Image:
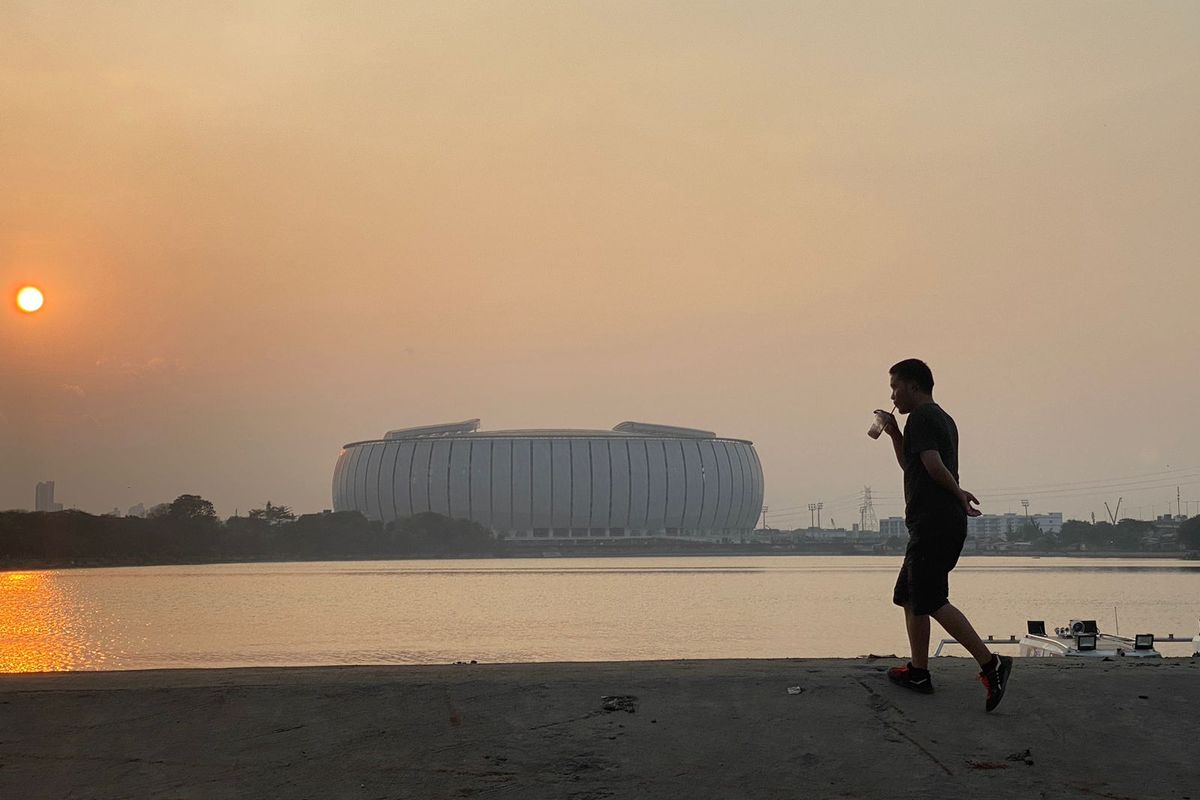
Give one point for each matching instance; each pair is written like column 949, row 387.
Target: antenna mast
column 1112, row 515
column 868, row 521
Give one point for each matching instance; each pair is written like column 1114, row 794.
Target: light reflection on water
column 42, row 627
column 407, row 612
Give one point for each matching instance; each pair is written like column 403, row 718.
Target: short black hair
column 916, row 371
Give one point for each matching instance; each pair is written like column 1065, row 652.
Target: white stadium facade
column 635, row 481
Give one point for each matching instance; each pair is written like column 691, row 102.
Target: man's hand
column 890, row 426
column 932, row 460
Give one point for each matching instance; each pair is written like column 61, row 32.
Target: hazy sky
column 266, row 229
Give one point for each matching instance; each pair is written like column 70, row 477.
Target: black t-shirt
column 929, row 428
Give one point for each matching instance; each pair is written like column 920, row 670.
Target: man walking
column 936, row 511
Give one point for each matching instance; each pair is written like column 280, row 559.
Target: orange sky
column 263, row 232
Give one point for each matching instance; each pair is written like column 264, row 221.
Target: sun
column 30, row 299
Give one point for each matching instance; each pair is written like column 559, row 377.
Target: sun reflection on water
column 37, row 624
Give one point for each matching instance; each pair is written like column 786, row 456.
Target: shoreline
column 566, row 552
column 685, row 729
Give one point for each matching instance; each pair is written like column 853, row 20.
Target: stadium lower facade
column 635, row 481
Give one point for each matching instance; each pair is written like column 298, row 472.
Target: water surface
column 567, row 609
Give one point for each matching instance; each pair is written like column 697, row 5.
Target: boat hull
column 1107, row 646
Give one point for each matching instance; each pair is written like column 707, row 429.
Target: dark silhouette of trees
column 1027, row 532
column 1189, row 533
column 187, row 530
column 1130, row 533
column 434, row 533
column 192, row 508
column 272, row 514
column 1075, row 533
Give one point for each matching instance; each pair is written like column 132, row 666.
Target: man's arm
column 897, row 443
column 892, row 429
column 932, row 460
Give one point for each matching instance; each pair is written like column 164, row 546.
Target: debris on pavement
column 619, row 702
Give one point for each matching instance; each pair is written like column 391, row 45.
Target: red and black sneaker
column 995, row 679
column 911, row 677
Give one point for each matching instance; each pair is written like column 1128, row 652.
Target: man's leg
column 915, row 675
column 994, row 669
column 958, row 626
column 918, row 637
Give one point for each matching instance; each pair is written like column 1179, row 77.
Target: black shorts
column 934, row 546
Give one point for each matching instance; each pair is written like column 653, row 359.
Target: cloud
column 74, row 389
column 149, row 366
column 64, row 421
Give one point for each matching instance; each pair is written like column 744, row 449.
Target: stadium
column 635, row 481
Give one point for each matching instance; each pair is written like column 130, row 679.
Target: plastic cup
column 881, row 421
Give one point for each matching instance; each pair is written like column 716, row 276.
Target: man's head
column 912, row 384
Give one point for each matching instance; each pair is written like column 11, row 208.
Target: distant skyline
column 791, row 517
column 263, row 232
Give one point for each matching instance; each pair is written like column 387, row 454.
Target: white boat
column 1083, row 639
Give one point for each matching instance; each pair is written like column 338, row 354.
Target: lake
column 550, row 609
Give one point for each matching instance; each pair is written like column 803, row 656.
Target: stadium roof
column 470, row 429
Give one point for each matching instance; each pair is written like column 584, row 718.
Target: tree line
column 1128, row 535
column 188, row 530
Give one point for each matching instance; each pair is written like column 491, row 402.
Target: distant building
column 825, row 534
column 635, row 481
column 993, row 525
column 864, row 541
column 44, row 497
column 985, row 526
column 136, row 511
